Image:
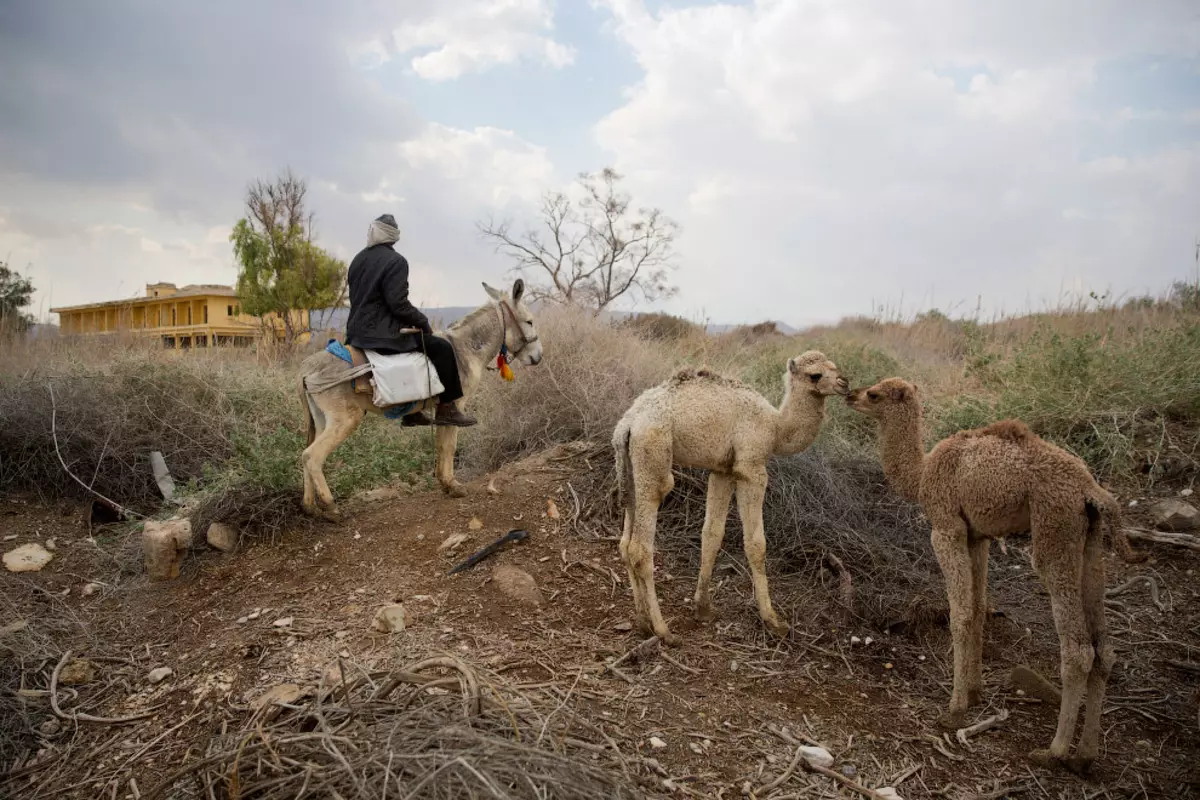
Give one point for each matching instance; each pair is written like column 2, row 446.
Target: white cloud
column 820, row 152
column 464, row 37
column 492, row 166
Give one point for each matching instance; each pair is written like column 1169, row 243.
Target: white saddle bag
column 403, row 378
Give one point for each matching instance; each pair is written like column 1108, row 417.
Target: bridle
column 507, row 313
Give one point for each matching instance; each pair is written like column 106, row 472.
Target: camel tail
column 1105, row 512
column 624, row 467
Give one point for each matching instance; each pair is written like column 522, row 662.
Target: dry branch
column 979, row 727
column 1177, row 539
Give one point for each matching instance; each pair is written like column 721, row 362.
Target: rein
column 506, row 313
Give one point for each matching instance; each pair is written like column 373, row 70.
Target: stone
column 452, row 541
column 90, row 589
column 888, row 792
column 817, row 756
column 657, row 743
column 379, row 495
column 284, row 622
column 222, row 537
column 27, row 558
column 163, row 546
column 52, row 544
column 160, row 674
column 50, row 727
column 284, row 693
column 1171, row 514
column 389, row 619
column 475, row 524
column 517, row 584
column 77, row 671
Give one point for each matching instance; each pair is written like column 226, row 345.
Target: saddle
column 358, row 358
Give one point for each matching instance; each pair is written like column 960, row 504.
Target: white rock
column 1185, row 492
column 160, row 674
column 52, row 544
column 163, row 546
column 889, row 792
column 90, row 589
column 222, row 537
column 389, row 619
column 1174, row 515
column 452, row 541
column 855, row 640
column 283, row 622
column 657, row 743
column 816, row 756
column 27, row 558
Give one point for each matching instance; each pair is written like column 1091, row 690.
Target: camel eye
column 815, row 377
column 872, row 396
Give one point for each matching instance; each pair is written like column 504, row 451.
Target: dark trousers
column 441, row 353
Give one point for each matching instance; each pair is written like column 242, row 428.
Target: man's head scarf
column 383, row 230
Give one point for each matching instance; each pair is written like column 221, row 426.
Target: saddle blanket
column 398, row 379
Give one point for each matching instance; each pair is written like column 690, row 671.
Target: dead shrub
column 658, row 327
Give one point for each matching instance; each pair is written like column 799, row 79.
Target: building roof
column 191, row 290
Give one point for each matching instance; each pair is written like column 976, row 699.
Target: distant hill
column 334, row 319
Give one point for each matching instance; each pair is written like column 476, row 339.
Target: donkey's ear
column 492, row 293
column 518, row 290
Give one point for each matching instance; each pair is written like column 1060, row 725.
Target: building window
column 229, row 310
column 172, row 317
column 189, row 315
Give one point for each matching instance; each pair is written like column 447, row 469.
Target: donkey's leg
column 446, row 442
column 341, row 421
column 750, row 491
column 316, row 425
column 720, row 492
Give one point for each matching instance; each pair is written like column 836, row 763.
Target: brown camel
column 997, row 481
column 698, row 419
column 334, row 411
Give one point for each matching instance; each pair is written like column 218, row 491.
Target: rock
column 452, row 541
column 517, row 584
column 623, row 627
column 283, row 693
column 1174, row 515
column 163, row 546
column 551, row 509
column 50, row 727
column 223, row 537
column 389, row 619
column 657, row 743
column 90, row 589
column 816, row 756
column 475, row 524
column 76, row 671
column 889, row 792
column 27, row 558
column 283, row 622
column 160, row 674
column 52, row 544
column 378, row 495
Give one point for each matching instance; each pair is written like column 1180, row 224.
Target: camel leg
column 720, row 492
column 639, row 605
column 1058, row 556
column 652, row 481
column 338, row 428
column 979, row 591
column 950, row 547
column 446, row 442
column 1097, row 680
column 750, row 491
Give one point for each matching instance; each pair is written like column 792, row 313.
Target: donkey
column 333, row 413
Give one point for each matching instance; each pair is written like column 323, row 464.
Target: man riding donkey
column 382, row 319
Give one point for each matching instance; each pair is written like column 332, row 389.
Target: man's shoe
column 450, row 415
column 416, row 419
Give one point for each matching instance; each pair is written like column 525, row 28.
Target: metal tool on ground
column 515, row 535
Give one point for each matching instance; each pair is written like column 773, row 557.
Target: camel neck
column 800, row 418
column 903, row 456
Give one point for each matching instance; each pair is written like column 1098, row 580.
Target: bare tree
column 594, row 250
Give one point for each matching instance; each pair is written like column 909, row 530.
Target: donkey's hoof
column 670, row 639
column 310, row 510
column 331, row 515
column 705, row 612
column 1044, row 758
column 455, row 489
column 777, row 628
column 952, row 720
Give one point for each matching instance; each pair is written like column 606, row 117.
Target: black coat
column 379, row 306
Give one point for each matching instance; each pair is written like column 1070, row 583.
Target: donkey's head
column 520, row 332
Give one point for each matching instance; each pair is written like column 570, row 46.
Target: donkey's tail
column 310, row 423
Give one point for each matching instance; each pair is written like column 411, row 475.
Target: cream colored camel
column 333, row 414
column 698, row 419
column 996, row 481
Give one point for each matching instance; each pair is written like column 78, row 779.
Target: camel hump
column 689, row 375
column 1008, row 430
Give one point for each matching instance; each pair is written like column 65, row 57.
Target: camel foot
column 974, row 696
column 310, row 509
column 952, row 720
column 330, row 514
column 670, row 639
column 455, row 489
column 777, row 628
column 1080, row 765
column 1046, row 759
column 705, row 612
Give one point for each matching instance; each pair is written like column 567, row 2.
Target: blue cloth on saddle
column 391, row 412
column 340, row 350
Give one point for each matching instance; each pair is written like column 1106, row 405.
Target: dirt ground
column 280, row 612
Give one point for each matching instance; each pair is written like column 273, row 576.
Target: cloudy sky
column 820, row 156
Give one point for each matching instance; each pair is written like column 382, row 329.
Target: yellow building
column 204, row 315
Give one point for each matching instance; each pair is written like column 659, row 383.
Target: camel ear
column 518, row 290
column 899, row 393
column 492, row 293
column 792, row 366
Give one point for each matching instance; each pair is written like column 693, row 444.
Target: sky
column 821, row 158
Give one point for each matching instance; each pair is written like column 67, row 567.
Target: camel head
column 520, row 331
column 890, row 398
column 813, row 372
